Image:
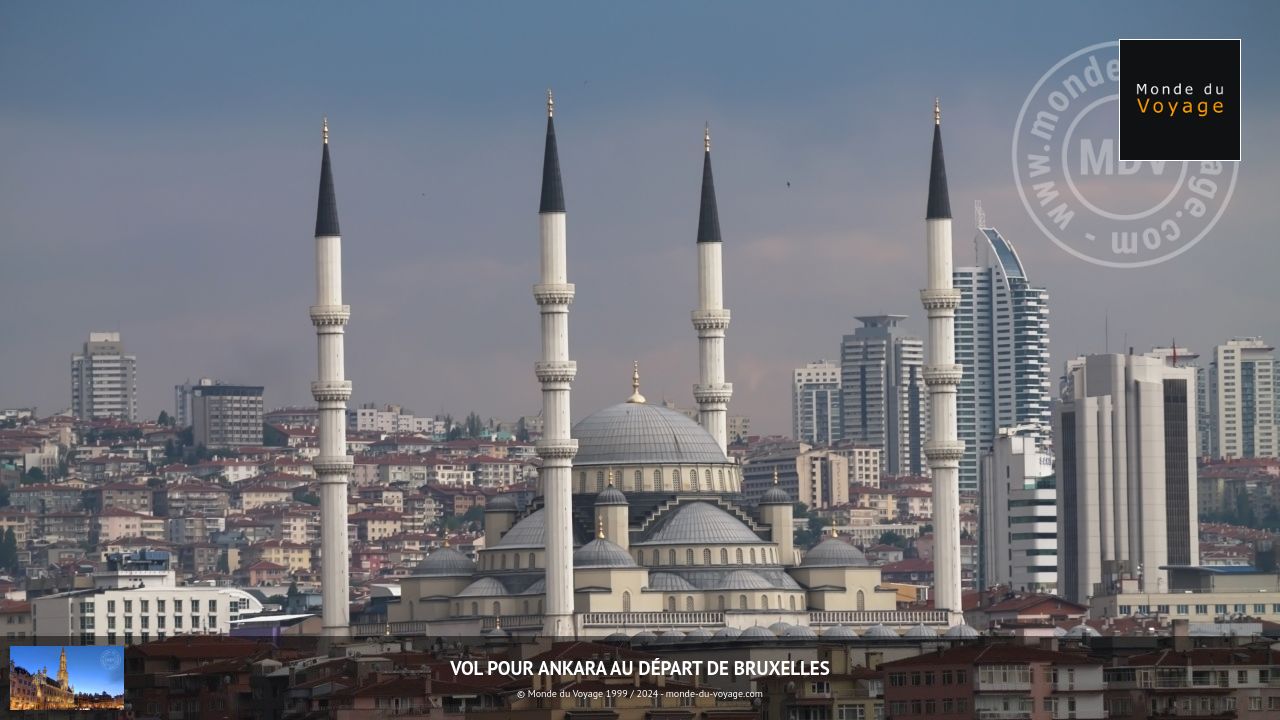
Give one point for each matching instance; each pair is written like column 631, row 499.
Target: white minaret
column 711, row 318
column 331, row 393
column 942, row 375
column 555, row 371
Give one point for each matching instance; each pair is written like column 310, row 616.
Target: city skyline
column 176, row 184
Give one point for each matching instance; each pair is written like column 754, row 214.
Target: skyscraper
column 1242, row 400
column 883, row 393
column 1124, row 439
column 1018, row 515
column 1183, row 357
column 104, row 380
column 815, row 403
column 1002, row 340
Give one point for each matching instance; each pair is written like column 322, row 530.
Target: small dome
column 618, row 637
column 699, row 634
column 529, row 532
column 611, row 496
column 484, row 587
column 445, row 561
column 921, row 631
column 669, row 582
column 834, row 552
column 1082, row 631
column 701, row 523
column 602, row 553
column 839, row 632
column 668, row 637
column 755, row 632
column 880, row 632
column 775, row 496
column 1059, row 632
column 634, row 433
column 644, row 637
column 745, row 580
column 501, row 503
column 779, row 627
column 799, row 631
column 728, row 633
column 538, row 587
column 961, row 632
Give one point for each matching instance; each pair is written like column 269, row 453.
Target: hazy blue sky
column 159, row 162
column 86, row 671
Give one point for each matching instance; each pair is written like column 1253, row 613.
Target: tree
column 892, row 538
column 34, row 476
column 4, row 496
column 164, row 419
column 474, row 425
column 9, row 551
column 273, row 436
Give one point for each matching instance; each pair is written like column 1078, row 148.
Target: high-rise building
column 883, row 393
column 226, row 416
column 815, row 403
column 1175, row 356
column 817, row 477
column 1242, row 400
column 1124, row 440
column 1018, row 514
column 182, row 400
column 1002, row 340
column 104, row 380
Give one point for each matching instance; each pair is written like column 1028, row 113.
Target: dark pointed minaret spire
column 552, row 188
column 327, row 207
column 708, row 217
column 939, row 201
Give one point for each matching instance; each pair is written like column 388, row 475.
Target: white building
column 1125, row 439
column 865, row 463
column 226, row 416
column 815, row 403
column 1018, row 514
column 883, row 396
column 137, row 600
column 1002, row 340
column 104, row 380
column 392, row 419
column 1242, row 400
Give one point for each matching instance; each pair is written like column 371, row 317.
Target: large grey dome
column 602, row 553
column 632, row 433
column 834, row 552
column 701, row 523
column 445, row 561
column 745, row 580
column 669, row 582
column 484, row 587
column 531, row 532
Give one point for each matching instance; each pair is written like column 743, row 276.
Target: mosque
column 638, row 526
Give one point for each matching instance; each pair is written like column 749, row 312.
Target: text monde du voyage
column 1179, row 99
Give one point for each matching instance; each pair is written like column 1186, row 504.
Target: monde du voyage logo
column 1125, row 152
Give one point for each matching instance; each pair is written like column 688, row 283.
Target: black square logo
column 1180, row 100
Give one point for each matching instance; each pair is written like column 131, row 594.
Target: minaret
column 711, row 318
column 331, row 393
column 555, row 371
column 942, row 375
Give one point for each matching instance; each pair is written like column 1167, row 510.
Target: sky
column 86, row 670
column 159, row 165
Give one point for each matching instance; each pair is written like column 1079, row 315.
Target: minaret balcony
column 705, row 394
column 553, row 293
column 331, row 390
column 711, row 319
column 330, row 315
column 339, row 465
column 944, row 450
column 940, row 298
column 943, row 374
column 555, row 371
column 552, row 448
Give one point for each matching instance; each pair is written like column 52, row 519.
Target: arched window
column 693, row 479
column 657, row 480
column 457, row 608
column 516, row 557
column 792, row 601
column 657, row 557
column 862, row 601
column 526, row 607
column 497, row 608
column 671, row 604
column 504, row 561
column 753, row 556
column 582, row 480
column 599, row 481
column 688, row 603
column 475, row 608
column 724, row 556
column 764, row 602
column 706, row 475
column 688, row 556
column 677, row 483
column 720, row 479
column 742, row 602
column 671, row 557
column 639, row 476
column 626, row 601
column 739, row 553
column 720, row 602
column 706, row 556
column 532, row 561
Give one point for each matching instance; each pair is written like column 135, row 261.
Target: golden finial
column 600, row 528
column 636, row 397
column 775, row 474
column 445, row 544
column 324, row 131
column 497, row 623
column 937, row 112
column 610, row 476
column 706, row 138
column 834, row 534
column 551, row 104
